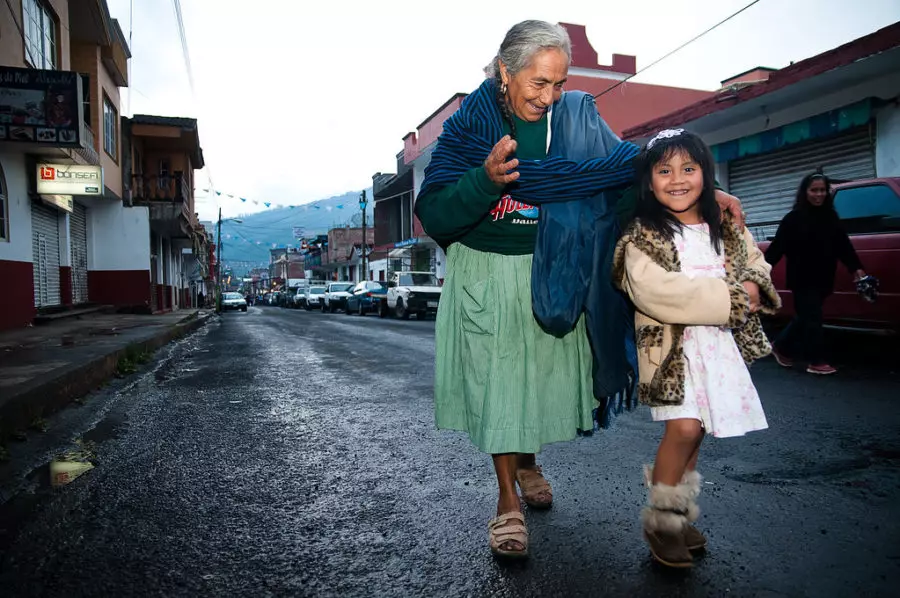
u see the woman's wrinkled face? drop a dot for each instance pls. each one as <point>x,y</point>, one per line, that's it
<point>534,89</point>
<point>816,192</point>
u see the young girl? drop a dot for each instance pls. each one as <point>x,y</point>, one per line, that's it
<point>697,284</point>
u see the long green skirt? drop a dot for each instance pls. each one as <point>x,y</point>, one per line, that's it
<point>498,376</point>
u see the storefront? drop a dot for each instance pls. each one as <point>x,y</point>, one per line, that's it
<point>79,240</point>
<point>46,219</point>
<point>767,182</point>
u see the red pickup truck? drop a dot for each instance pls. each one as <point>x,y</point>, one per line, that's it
<point>870,212</point>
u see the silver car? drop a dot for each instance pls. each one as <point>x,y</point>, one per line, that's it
<point>233,301</point>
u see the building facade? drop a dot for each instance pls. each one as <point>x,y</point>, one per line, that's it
<point>62,63</point>
<point>163,153</point>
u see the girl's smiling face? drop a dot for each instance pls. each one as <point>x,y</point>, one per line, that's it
<point>677,181</point>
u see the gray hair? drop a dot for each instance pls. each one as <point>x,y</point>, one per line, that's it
<point>523,41</point>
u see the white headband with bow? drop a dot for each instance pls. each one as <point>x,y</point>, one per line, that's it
<point>664,134</point>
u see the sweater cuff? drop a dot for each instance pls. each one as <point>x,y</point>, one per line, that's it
<point>485,184</point>
<point>770,301</point>
<point>740,305</point>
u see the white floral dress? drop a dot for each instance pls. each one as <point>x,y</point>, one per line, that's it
<point>718,389</point>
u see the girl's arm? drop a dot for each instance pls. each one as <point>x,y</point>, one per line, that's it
<point>674,298</point>
<point>758,271</point>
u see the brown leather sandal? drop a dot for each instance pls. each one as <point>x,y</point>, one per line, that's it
<point>501,531</point>
<point>536,491</point>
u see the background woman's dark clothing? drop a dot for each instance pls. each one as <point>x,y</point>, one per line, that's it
<point>812,240</point>
<point>803,336</point>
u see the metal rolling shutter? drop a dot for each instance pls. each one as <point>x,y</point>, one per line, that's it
<point>45,245</point>
<point>767,184</point>
<point>78,231</point>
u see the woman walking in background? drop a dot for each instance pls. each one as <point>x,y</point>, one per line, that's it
<point>812,240</point>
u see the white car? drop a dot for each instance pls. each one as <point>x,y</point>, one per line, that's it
<point>314,298</point>
<point>336,296</point>
<point>411,292</point>
<point>233,301</point>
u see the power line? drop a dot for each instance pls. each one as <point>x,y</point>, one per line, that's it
<point>184,47</point>
<point>690,41</point>
<point>182,35</point>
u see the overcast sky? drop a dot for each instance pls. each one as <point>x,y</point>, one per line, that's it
<point>299,101</point>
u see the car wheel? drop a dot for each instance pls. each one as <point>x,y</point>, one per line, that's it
<point>400,311</point>
<point>362,310</point>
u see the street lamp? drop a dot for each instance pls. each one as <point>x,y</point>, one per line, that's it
<point>362,206</point>
<point>219,259</point>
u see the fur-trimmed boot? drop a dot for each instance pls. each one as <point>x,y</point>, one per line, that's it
<point>667,514</point>
<point>694,539</point>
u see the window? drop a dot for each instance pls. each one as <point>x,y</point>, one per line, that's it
<point>4,234</point>
<point>418,279</point>
<point>40,35</point>
<point>110,129</point>
<point>873,208</point>
<point>86,99</point>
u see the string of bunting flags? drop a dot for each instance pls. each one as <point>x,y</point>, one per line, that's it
<point>298,231</point>
<point>270,204</point>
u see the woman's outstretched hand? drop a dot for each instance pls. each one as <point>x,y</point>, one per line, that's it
<point>496,166</point>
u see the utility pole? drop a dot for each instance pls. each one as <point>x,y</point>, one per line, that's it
<point>219,264</point>
<point>362,204</point>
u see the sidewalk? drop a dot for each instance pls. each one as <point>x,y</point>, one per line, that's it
<point>43,368</point>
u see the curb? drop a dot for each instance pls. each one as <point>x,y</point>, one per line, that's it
<point>19,411</point>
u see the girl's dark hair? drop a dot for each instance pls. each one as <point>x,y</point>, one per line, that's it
<point>651,212</point>
<point>802,203</point>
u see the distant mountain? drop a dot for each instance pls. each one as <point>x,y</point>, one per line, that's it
<point>246,245</point>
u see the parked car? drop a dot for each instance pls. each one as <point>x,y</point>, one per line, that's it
<point>233,302</point>
<point>336,296</point>
<point>314,298</point>
<point>366,297</point>
<point>411,292</point>
<point>299,298</point>
<point>870,213</point>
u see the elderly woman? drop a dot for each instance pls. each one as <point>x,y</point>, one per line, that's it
<point>500,377</point>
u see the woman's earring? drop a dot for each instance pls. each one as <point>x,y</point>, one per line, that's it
<point>503,88</point>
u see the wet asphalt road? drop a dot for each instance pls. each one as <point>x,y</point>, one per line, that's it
<point>285,453</point>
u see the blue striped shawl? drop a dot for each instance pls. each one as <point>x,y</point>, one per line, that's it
<point>473,130</point>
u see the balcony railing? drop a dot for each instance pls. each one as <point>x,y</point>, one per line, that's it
<point>172,188</point>
<point>87,134</point>
<point>89,151</point>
